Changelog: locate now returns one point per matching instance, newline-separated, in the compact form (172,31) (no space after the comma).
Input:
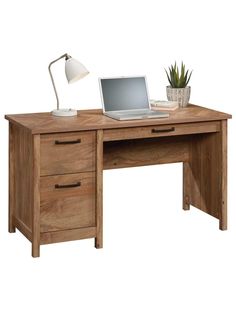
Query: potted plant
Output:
(178,89)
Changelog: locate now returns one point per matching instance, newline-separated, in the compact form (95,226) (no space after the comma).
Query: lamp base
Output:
(64,112)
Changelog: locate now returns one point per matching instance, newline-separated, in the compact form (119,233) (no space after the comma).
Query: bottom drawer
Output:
(67,201)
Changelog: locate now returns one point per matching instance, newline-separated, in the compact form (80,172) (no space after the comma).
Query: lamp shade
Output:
(74,70)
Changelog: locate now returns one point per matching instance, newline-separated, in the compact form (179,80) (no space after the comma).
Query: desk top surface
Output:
(45,122)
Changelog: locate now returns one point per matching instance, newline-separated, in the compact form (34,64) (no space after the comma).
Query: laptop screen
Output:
(125,93)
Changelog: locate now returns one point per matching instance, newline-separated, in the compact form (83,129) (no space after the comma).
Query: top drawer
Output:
(161,130)
(63,153)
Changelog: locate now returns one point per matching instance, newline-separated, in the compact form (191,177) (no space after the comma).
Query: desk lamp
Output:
(74,71)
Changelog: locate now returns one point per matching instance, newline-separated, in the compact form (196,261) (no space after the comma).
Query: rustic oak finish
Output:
(21,180)
(99,189)
(56,167)
(160,131)
(60,151)
(45,122)
(143,152)
(36,196)
(67,207)
(68,235)
(223,181)
(11,187)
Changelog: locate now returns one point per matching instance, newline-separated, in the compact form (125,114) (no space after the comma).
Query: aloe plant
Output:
(178,78)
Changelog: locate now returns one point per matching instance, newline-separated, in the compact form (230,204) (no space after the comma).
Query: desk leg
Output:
(186,186)
(36,197)
(223,187)
(11,227)
(99,188)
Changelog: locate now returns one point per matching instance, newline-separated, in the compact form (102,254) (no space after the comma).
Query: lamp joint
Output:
(67,57)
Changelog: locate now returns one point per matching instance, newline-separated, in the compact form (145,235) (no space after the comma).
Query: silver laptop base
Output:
(136,116)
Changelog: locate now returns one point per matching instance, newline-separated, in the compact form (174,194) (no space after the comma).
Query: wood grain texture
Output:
(186,184)
(70,157)
(24,174)
(223,170)
(21,179)
(161,131)
(99,191)
(67,235)
(67,208)
(36,196)
(210,174)
(40,123)
(11,180)
(143,152)
(23,228)
(194,173)
(207,174)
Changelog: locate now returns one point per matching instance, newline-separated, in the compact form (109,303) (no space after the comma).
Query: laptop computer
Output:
(126,98)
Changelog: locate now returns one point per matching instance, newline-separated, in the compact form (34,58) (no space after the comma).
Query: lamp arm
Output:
(66,56)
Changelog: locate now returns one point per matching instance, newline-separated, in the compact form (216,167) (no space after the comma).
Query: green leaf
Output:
(168,77)
(189,78)
(172,76)
(186,78)
(182,73)
(175,79)
(177,75)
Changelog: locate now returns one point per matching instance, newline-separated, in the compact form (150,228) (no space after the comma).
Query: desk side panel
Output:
(21,179)
(205,173)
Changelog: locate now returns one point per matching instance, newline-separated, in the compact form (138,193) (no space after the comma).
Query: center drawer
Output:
(160,130)
(67,201)
(62,153)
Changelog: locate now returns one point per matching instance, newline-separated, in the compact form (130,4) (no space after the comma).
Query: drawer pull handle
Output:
(68,142)
(66,186)
(163,130)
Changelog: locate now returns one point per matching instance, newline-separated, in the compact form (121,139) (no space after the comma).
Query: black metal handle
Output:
(163,130)
(68,142)
(66,186)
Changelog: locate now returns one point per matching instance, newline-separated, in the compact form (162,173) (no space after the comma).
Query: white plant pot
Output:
(181,95)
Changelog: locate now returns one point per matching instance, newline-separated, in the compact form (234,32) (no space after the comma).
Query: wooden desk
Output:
(56,167)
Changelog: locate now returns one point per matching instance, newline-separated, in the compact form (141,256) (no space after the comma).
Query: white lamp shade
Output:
(74,70)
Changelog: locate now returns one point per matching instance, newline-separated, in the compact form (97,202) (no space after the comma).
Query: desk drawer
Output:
(67,153)
(67,201)
(161,130)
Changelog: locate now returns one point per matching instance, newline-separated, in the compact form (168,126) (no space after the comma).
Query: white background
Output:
(156,257)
